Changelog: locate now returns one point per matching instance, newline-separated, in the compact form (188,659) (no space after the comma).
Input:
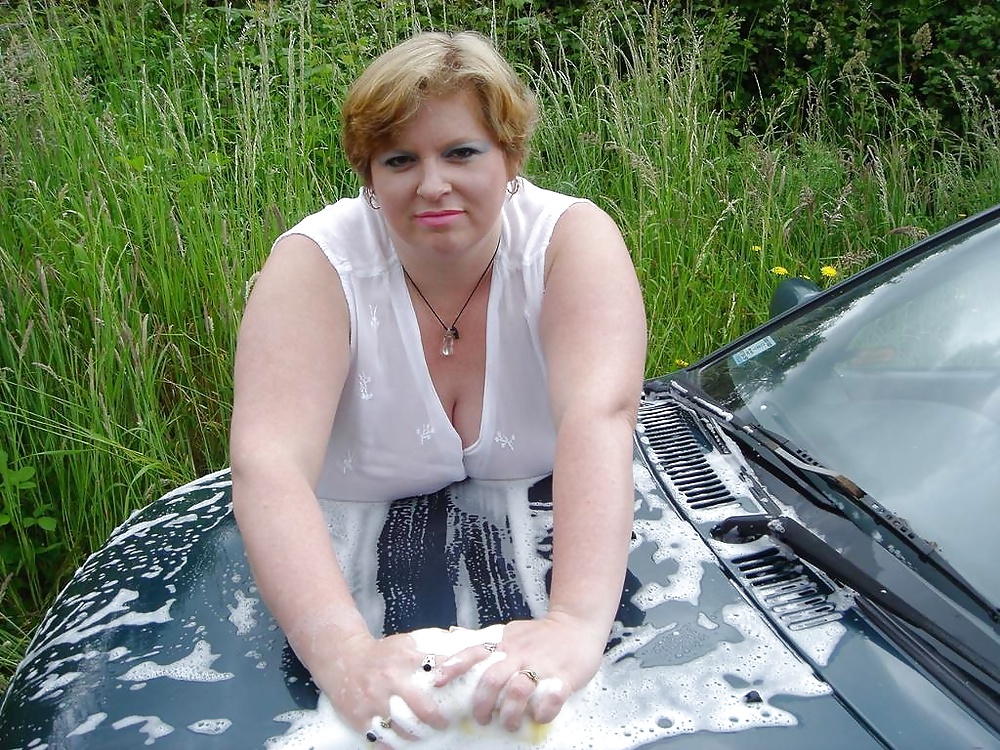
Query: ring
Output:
(428,663)
(531,674)
(491,647)
(371,735)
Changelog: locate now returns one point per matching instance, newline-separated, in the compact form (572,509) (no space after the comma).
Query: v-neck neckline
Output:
(414,345)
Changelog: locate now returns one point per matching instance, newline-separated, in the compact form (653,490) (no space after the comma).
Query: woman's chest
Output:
(458,378)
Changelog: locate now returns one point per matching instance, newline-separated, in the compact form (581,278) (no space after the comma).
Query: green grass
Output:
(146,167)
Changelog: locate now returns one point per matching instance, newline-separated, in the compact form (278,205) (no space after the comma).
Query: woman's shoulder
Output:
(531,215)
(531,195)
(349,232)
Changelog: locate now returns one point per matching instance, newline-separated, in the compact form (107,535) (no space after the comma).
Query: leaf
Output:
(4,519)
(47,522)
(21,478)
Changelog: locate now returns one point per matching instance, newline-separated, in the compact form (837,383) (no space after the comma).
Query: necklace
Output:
(451,331)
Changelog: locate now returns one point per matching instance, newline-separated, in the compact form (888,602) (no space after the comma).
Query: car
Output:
(842,461)
(813,561)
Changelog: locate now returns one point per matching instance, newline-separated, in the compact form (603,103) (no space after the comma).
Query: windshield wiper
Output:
(804,475)
(876,575)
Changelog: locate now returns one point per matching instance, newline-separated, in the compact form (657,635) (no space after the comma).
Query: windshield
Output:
(895,383)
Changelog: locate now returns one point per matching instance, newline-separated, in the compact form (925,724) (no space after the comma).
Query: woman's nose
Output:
(433,183)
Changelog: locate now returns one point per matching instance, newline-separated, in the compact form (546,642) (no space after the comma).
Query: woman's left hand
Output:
(545,662)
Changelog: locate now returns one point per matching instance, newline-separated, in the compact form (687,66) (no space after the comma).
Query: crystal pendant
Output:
(448,343)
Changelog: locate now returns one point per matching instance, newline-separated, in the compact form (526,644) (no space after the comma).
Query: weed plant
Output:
(145,170)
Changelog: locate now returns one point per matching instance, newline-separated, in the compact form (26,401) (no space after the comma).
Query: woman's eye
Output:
(397,161)
(463,152)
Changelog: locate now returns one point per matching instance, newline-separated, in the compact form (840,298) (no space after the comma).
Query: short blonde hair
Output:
(390,92)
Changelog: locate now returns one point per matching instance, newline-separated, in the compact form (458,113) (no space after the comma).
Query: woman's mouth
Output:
(437,218)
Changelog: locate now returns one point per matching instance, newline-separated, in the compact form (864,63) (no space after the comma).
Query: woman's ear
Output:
(513,164)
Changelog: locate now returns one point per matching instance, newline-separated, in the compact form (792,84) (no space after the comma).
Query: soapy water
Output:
(627,704)
(196,667)
(681,667)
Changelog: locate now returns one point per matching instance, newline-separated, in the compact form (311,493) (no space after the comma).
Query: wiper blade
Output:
(777,444)
(785,450)
(866,567)
(872,572)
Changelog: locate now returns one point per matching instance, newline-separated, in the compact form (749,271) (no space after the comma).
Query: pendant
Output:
(448,343)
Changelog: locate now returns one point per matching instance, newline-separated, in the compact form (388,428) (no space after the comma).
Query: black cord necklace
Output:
(451,331)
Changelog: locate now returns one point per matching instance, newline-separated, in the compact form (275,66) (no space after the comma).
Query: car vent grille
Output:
(677,443)
(676,450)
(785,588)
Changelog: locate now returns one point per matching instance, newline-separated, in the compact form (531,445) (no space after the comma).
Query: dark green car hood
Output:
(716,646)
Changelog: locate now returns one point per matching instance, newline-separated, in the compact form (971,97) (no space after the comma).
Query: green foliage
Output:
(12,482)
(941,56)
(30,550)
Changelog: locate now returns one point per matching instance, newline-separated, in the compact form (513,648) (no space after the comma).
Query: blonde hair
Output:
(390,92)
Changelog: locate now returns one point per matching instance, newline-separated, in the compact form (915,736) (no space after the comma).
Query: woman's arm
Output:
(594,336)
(593,331)
(292,360)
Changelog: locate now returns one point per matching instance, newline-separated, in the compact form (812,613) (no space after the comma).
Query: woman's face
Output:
(442,182)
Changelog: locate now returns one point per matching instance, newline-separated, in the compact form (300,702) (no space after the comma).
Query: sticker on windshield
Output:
(747,353)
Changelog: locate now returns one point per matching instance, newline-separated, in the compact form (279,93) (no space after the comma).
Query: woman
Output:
(452,321)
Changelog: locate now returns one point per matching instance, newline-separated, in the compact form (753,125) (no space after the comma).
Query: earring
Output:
(369,195)
(516,186)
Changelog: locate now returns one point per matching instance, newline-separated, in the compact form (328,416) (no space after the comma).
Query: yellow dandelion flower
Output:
(779,271)
(828,271)
(681,363)
(756,248)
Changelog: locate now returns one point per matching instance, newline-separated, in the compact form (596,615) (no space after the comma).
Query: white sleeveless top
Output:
(391,437)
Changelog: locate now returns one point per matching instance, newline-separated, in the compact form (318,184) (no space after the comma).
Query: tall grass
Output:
(144,174)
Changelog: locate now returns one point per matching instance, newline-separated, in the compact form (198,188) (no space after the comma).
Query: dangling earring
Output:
(370,199)
(516,182)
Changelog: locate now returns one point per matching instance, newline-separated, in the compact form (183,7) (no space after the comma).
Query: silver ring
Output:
(491,647)
(531,674)
(428,663)
(377,721)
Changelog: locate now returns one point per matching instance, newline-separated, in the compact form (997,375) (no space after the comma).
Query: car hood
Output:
(691,476)
(716,645)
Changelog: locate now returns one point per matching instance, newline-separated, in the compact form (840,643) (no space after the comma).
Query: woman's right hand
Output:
(364,676)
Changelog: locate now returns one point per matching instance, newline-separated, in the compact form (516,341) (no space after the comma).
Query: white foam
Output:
(817,642)
(152,726)
(209,502)
(181,520)
(243,615)
(54,683)
(210,726)
(89,724)
(90,625)
(625,705)
(633,699)
(323,730)
(195,667)
(137,529)
(201,483)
